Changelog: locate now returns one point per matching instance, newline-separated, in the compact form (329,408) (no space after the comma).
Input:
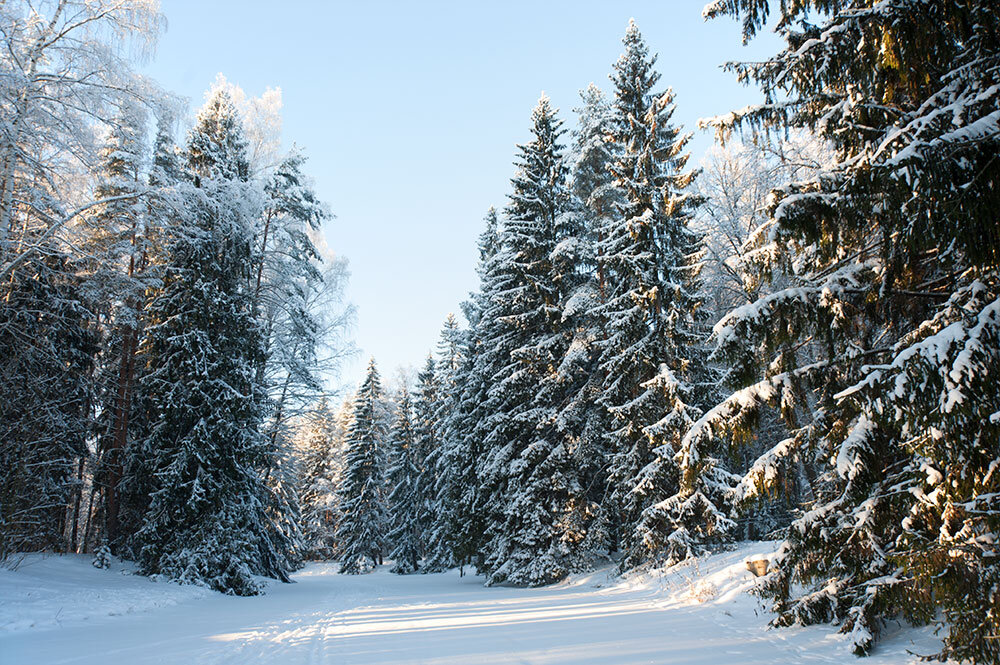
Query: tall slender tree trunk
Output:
(262,366)
(77,504)
(122,411)
(260,266)
(123,408)
(89,528)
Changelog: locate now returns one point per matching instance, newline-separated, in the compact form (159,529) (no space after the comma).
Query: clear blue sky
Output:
(409,113)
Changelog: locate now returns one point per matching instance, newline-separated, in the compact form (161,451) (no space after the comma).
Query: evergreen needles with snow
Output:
(403,502)
(317,481)
(531,477)
(207,519)
(649,270)
(443,461)
(361,532)
(881,352)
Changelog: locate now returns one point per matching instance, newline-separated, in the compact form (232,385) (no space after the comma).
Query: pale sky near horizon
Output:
(409,114)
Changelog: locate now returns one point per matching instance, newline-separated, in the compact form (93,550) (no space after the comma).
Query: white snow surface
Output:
(59,609)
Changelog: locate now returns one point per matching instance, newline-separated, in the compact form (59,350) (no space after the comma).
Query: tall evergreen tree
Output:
(207,521)
(165,203)
(444,457)
(881,352)
(468,522)
(403,502)
(533,478)
(574,388)
(316,466)
(362,528)
(648,257)
(424,441)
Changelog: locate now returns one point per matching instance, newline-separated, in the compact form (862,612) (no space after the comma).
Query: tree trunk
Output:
(77,504)
(119,439)
(122,411)
(88,530)
(260,266)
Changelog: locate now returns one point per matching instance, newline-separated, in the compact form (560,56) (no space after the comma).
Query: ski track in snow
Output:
(60,610)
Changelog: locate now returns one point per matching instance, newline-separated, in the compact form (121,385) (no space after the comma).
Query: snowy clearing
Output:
(61,610)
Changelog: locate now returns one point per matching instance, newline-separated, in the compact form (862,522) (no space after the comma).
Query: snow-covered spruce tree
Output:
(315,465)
(567,394)
(648,260)
(425,400)
(281,476)
(343,419)
(882,353)
(125,248)
(582,420)
(534,482)
(363,519)
(735,182)
(491,426)
(444,457)
(208,517)
(325,507)
(403,502)
(467,520)
(164,202)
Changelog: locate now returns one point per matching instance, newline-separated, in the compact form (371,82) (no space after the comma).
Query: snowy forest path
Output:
(687,615)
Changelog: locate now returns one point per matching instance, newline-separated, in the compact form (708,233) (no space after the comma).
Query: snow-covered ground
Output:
(59,609)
